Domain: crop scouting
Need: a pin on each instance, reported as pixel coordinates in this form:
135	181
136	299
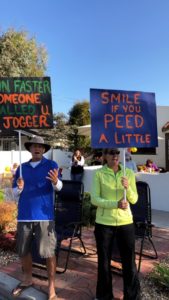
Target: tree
58	135
79	115
20	55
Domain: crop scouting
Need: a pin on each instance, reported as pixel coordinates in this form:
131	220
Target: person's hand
20	183
125	182
53	176
123	204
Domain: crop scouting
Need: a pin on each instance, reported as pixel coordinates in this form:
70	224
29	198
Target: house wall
63	158
159	158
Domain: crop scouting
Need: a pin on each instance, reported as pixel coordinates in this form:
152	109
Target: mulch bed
8	241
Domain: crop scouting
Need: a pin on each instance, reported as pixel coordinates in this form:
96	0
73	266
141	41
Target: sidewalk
160	218
79	281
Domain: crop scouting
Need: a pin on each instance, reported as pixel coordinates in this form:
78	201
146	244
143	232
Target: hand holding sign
20	183
124	182
123	204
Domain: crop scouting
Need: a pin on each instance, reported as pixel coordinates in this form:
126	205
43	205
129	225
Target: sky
104	44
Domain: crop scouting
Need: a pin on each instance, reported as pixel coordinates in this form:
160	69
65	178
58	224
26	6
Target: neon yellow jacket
107	190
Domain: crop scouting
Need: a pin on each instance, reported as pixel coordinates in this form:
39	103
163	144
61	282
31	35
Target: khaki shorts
43	234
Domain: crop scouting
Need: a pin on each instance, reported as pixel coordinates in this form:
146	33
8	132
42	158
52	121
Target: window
6	145
145	151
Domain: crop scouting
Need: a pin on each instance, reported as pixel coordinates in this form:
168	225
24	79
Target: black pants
125	238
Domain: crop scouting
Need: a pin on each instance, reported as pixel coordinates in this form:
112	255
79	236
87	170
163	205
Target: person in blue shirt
35	191
130	164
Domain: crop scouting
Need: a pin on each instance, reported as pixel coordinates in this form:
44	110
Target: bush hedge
89	211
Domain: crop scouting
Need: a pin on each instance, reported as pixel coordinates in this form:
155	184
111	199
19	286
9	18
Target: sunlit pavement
79	281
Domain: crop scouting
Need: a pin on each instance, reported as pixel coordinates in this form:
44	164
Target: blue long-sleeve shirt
36	201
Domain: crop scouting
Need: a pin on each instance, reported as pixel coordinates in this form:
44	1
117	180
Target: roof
14	133
165	127
84	130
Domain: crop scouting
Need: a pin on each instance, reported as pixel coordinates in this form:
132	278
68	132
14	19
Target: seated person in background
151	166
97	159
14	168
130	164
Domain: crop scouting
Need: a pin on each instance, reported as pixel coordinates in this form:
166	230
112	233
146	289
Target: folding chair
68	218
68	223
142	219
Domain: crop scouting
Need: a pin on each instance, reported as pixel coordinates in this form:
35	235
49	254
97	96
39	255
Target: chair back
142	208
68	207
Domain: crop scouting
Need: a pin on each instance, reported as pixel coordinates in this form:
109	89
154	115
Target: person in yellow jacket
114	219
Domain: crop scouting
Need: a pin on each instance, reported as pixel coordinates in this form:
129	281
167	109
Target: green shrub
8	213
89	211
160	274
1	195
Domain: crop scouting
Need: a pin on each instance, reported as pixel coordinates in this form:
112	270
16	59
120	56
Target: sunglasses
112	152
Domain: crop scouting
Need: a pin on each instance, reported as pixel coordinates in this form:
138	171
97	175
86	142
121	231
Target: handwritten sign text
25	103
123	119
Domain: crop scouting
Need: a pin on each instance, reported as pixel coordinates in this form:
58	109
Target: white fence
158	182
7	158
